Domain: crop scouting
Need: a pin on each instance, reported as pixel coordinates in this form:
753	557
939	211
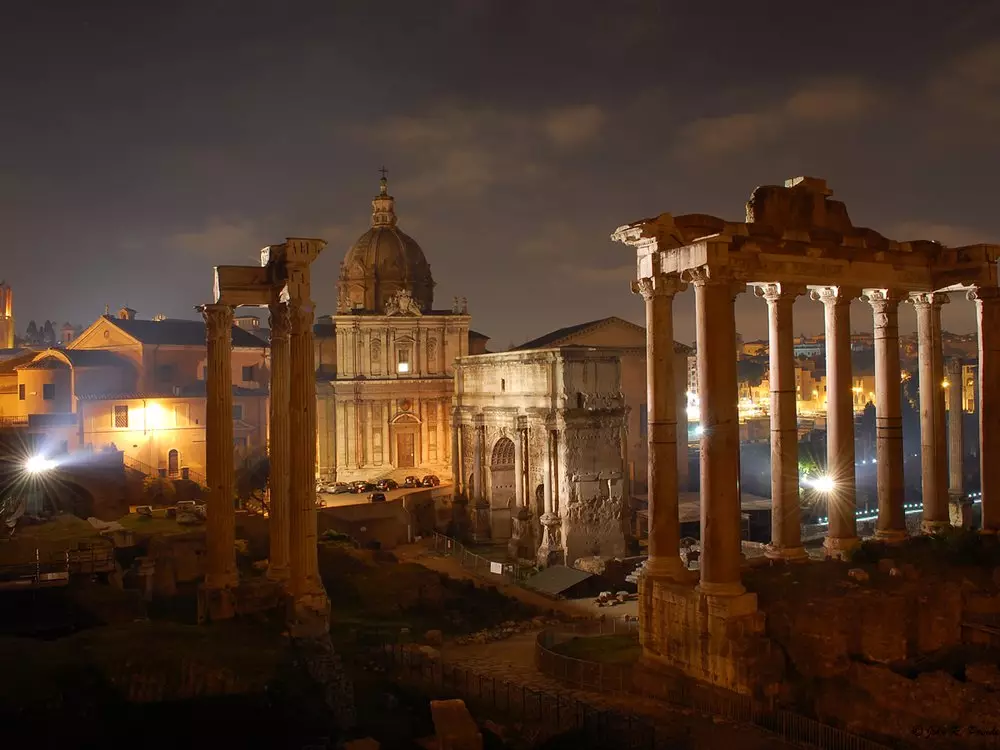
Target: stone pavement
512	660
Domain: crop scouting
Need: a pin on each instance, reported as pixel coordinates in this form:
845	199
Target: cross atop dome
383	205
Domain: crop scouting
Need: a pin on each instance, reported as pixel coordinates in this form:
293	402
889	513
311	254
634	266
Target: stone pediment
402	304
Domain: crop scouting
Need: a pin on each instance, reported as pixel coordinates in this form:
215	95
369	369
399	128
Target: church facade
385	360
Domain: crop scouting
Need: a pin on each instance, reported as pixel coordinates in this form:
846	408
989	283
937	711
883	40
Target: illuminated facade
136	386
385	360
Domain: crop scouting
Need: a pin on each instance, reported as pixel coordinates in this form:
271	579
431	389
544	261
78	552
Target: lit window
48	391
403	360
121	415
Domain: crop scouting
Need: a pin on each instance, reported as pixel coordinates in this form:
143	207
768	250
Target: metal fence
550	712
501	569
55	569
679	691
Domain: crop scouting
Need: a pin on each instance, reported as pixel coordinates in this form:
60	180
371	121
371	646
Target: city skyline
168	140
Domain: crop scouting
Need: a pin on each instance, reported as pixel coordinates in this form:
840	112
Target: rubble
506	630
858	574
607	599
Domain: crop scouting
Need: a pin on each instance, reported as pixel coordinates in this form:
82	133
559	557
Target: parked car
430	481
361	487
377	497
386	484
411	482
340	488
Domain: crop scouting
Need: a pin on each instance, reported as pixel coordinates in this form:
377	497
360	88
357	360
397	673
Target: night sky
145	142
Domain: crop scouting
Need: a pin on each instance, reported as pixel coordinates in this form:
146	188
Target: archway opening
502	488
173	463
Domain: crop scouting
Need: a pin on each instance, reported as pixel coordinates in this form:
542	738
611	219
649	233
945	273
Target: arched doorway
502	487
404	431
173	463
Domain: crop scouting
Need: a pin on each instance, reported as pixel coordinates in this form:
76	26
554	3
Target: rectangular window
248	374
182	415
121	416
237	411
48	391
20	392
240	443
643	422
402	360
164	373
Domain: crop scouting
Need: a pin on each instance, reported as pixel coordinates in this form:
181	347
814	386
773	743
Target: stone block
881	627
454	726
434	638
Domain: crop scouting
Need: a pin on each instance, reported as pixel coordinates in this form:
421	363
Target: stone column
933	459
311	606
456	460
442	411
518	468
842	533
721	549
987	301
661	399
481	520
551	523
220	531
891	524
786	522
959	505
278	455
521	542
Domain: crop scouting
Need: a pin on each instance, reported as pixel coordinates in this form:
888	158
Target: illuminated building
6	316
385	360
136	386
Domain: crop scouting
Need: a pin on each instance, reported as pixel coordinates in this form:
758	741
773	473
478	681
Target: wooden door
405	450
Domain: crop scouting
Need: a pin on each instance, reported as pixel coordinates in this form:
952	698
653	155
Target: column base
891	536
670	568
934	527
840	548
960	511
788	554
551	550
522	540
278	573
724	590
481	523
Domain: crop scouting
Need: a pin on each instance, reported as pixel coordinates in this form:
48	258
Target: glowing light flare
39	464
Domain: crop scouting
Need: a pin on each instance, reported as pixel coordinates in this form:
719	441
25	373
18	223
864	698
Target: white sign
497	568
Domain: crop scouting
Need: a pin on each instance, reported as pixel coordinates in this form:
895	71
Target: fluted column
891	524
842	532
786	522
477	463
551	547
456	457
220	527
278	454
481	522
547	473
518	469
933	459
958	503
987	301
661	406
720	440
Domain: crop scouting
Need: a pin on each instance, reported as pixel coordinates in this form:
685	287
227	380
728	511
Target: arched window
173	463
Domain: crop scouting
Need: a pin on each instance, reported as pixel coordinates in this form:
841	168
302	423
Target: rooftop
172	332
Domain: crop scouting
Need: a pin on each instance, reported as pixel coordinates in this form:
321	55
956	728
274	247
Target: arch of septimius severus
796	240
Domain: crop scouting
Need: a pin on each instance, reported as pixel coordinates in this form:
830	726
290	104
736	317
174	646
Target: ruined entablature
797	233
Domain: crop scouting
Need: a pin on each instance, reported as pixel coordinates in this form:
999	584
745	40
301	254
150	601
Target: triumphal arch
795	240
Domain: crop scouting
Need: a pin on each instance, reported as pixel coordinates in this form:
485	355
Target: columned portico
279	566
481	503
959	505
933	444
549	551
220	531
842	532
720	440
891	524
664	525
786	523
987	299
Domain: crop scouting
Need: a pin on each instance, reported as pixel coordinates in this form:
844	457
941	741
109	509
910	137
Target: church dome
383	262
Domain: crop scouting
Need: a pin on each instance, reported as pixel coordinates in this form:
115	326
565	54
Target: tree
48	334
31	335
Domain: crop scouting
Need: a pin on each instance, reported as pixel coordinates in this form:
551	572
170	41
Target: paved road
349	498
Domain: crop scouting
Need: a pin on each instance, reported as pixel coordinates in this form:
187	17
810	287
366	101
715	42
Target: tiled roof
180	333
555	338
478	335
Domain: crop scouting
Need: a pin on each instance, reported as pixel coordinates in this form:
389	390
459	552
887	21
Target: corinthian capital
984	294
927	299
279	320
658	286
883	300
833	295
773	293
218	321
713	276
300	316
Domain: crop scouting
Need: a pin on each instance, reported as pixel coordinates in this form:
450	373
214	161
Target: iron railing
56	568
619	679
497	569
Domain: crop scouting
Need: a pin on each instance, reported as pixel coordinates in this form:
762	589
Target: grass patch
605	649
58	535
157	526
